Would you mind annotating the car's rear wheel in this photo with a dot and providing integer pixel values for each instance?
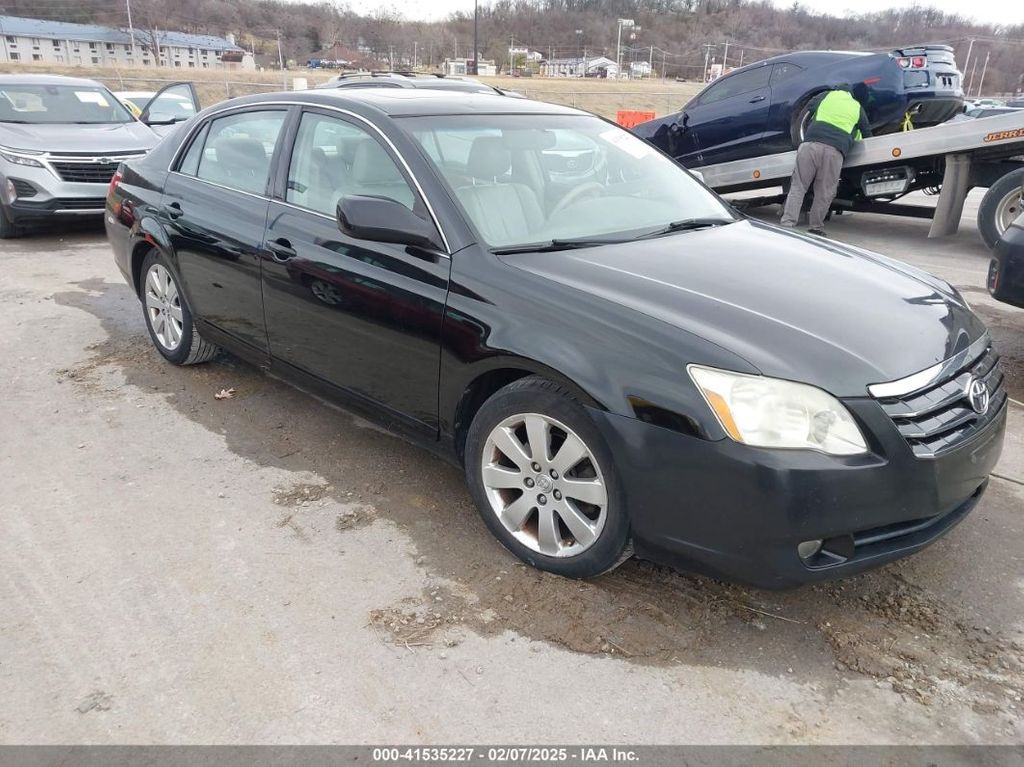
(801, 122)
(1000, 206)
(168, 317)
(544, 480)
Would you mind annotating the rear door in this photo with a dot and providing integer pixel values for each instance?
(214, 209)
(728, 120)
(364, 316)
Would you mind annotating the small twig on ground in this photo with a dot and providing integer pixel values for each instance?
(766, 613)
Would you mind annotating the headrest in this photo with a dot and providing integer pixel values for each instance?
(372, 165)
(245, 152)
(347, 149)
(488, 157)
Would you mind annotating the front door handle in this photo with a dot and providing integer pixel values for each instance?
(281, 250)
(173, 210)
(756, 99)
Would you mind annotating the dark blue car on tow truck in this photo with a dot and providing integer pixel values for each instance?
(763, 108)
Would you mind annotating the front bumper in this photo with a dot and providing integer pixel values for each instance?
(738, 512)
(40, 195)
(1006, 270)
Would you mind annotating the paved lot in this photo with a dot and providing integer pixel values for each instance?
(267, 568)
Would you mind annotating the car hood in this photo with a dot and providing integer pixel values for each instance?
(123, 137)
(794, 306)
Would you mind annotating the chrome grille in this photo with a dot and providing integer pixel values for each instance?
(938, 418)
(86, 172)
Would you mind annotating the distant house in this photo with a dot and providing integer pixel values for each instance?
(591, 66)
(456, 67)
(90, 45)
(639, 69)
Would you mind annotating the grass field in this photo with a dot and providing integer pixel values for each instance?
(603, 97)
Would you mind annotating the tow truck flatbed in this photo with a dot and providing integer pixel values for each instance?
(948, 159)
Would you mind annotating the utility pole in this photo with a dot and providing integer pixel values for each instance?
(618, 44)
(742, 51)
(725, 57)
(476, 39)
(280, 61)
(131, 28)
(511, 42)
(415, 51)
(970, 82)
(984, 69)
(664, 56)
(967, 62)
(707, 56)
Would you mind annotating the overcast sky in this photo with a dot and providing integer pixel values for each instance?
(990, 11)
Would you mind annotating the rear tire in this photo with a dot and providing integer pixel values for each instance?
(168, 318)
(544, 480)
(800, 122)
(999, 207)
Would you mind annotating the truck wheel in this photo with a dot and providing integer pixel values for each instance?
(1002, 203)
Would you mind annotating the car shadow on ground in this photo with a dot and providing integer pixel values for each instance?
(890, 624)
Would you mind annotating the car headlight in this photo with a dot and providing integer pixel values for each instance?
(19, 159)
(768, 412)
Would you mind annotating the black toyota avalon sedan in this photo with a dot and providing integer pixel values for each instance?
(620, 362)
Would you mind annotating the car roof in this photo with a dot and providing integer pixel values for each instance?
(405, 102)
(79, 82)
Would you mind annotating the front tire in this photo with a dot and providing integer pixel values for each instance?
(544, 480)
(999, 207)
(168, 318)
(8, 229)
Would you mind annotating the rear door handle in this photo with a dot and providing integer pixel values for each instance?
(756, 99)
(173, 210)
(281, 250)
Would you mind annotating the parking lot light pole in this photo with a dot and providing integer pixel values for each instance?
(618, 45)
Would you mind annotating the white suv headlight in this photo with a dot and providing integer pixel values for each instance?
(768, 412)
(19, 158)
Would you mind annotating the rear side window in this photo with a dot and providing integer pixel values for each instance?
(235, 151)
(734, 85)
(783, 71)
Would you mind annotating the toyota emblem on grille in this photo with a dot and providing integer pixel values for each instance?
(977, 394)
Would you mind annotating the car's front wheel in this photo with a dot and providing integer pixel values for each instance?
(8, 229)
(544, 480)
(168, 317)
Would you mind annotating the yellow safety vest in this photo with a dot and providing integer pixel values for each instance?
(840, 109)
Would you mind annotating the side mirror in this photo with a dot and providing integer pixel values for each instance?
(380, 219)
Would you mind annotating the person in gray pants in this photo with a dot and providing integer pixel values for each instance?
(838, 120)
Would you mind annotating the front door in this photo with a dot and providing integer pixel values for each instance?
(727, 122)
(215, 210)
(365, 316)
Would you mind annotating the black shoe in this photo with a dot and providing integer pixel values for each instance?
(819, 232)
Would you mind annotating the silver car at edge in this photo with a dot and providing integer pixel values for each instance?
(61, 141)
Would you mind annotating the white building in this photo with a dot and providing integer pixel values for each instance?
(89, 45)
(594, 66)
(457, 67)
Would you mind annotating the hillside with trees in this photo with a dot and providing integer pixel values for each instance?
(673, 33)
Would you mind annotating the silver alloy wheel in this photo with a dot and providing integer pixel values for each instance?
(163, 307)
(1008, 209)
(544, 484)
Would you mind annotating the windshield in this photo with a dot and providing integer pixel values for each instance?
(525, 179)
(60, 104)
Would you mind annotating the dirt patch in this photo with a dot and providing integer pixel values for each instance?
(879, 624)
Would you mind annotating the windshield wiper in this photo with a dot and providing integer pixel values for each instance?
(553, 245)
(687, 224)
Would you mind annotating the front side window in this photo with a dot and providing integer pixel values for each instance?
(333, 158)
(60, 104)
(734, 85)
(237, 150)
(525, 179)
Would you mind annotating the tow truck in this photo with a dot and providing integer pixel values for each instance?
(947, 160)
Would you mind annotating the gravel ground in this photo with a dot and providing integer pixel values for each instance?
(268, 568)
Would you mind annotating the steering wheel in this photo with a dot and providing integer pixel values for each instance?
(577, 193)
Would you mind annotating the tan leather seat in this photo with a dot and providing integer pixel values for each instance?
(504, 212)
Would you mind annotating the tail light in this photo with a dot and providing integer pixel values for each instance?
(912, 62)
(114, 181)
